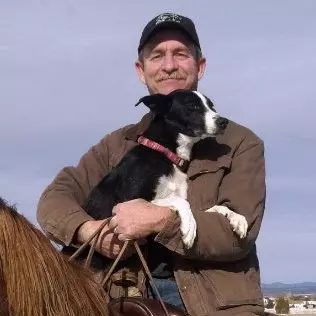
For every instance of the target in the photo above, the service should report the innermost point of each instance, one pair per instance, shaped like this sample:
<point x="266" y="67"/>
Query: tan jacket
<point x="220" y="273"/>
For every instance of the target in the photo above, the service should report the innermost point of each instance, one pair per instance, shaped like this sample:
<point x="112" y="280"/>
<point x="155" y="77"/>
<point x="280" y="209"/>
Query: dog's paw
<point x="187" y="227"/>
<point x="188" y="223"/>
<point x="218" y="209"/>
<point x="239" y="224"/>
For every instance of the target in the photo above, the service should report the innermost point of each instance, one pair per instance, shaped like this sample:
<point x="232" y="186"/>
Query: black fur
<point x="138" y="173"/>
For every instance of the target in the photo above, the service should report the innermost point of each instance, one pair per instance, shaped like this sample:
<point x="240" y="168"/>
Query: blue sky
<point x="67" y="79"/>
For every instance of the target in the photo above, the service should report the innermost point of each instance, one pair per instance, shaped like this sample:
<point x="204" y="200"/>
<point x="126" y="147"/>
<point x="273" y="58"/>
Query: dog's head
<point x="189" y="112"/>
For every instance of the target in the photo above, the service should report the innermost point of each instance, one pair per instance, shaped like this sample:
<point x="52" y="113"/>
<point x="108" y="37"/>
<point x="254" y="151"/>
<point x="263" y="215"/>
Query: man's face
<point x="169" y="63"/>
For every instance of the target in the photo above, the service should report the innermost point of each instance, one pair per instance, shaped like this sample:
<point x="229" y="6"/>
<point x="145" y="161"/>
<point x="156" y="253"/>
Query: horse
<point x="36" y="279"/>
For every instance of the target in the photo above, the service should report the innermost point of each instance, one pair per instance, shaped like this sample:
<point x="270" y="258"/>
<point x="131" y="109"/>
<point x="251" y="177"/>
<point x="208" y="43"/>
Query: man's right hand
<point x="108" y="243"/>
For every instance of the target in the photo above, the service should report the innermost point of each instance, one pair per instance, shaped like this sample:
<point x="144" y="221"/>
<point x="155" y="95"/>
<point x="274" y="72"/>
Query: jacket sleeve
<point x="243" y="191"/>
<point x="59" y="211"/>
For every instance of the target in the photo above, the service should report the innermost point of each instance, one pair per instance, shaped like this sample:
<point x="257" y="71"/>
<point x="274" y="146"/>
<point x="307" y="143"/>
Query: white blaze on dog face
<point x="210" y="115"/>
<point x="192" y="114"/>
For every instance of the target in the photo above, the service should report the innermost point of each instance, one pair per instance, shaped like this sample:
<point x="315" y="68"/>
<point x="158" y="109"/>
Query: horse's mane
<point x="37" y="280"/>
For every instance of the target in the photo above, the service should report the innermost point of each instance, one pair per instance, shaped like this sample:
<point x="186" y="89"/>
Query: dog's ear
<point x="158" y="103"/>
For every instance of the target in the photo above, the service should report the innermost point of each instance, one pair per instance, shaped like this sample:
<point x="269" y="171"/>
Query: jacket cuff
<point x="170" y="235"/>
<point x="67" y="227"/>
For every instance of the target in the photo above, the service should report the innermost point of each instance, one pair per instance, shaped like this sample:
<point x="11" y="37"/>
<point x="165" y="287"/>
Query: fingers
<point x="113" y="222"/>
<point x="132" y="220"/>
<point x="113" y="225"/>
<point x="123" y="237"/>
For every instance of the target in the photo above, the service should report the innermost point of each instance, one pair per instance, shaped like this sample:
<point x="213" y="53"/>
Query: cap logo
<point x="168" y="17"/>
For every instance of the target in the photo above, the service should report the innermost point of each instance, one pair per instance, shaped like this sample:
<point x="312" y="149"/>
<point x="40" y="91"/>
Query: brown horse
<point x="37" y="280"/>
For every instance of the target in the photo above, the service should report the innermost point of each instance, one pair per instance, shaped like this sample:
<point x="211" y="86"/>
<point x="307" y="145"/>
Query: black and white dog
<point x="155" y="170"/>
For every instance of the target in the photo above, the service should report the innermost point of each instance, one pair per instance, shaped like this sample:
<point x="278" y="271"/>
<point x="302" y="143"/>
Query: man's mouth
<point x="171" y="79"/>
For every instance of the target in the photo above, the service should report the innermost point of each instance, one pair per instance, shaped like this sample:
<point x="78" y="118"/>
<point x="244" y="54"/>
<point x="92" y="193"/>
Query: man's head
<point x="169" y="54"/>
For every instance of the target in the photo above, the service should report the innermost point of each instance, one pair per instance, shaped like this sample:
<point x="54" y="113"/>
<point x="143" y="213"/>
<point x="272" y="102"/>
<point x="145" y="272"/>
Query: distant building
<point x="268" y="302"/>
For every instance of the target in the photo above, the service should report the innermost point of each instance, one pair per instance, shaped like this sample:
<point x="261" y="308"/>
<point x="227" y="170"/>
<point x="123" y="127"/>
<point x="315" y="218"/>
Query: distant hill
<point x="285" y="288"/>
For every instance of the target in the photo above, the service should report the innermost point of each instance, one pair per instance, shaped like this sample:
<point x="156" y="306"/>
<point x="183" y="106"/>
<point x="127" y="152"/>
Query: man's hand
<point x="138" y="219"/>
<point x="108" y="243"/>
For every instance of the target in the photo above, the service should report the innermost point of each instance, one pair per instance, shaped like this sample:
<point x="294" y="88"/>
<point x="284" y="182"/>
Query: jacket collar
<point x="133" y="132"/>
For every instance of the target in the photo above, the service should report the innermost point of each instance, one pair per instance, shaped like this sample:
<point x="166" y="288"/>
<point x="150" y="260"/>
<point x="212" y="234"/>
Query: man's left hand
<point x="138" y="219"/>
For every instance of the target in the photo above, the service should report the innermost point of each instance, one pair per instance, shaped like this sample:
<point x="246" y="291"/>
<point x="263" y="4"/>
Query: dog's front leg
<point x="188" y="223"/>
<point x="237" y="222"/>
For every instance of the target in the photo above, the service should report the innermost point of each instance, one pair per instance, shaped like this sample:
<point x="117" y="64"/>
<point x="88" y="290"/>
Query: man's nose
<point x="169" y="64"/>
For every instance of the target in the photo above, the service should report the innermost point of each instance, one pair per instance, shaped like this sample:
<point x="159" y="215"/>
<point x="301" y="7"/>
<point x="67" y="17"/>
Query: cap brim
<point x="166" y="25"/>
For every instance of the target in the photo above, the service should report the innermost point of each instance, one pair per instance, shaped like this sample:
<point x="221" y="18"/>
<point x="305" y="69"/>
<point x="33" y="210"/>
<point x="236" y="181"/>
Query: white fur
<point x="188" y="223"/>
<point x="185" y="144"/>
<point x="171" y="191"/>
<point x="238" y="222"/>
<point x="174" y="185"/>
<point x="210" y="115"/>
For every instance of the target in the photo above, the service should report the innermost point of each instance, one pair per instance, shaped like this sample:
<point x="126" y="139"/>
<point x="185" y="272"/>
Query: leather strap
<point x="96" y="236"/>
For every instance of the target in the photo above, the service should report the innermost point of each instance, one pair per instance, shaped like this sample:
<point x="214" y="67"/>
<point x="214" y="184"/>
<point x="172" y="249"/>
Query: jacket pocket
<point x="232" y="288"/>
<point x="200" y="167"/>
<point x="205" y="178"/>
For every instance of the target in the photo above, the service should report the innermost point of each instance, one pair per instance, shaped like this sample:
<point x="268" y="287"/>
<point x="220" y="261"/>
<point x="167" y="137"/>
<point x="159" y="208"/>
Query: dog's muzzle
<point x="221" y="123"/>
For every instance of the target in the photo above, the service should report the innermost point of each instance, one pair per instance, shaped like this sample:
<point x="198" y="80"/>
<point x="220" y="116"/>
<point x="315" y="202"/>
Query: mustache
<point x="174" y="75"/>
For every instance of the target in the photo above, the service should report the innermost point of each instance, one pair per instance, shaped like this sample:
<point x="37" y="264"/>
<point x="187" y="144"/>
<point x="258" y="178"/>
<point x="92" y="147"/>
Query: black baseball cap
<point x="169" y="21"/>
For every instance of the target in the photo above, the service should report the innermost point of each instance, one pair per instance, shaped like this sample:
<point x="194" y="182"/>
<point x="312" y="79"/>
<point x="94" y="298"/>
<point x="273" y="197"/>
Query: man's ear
<point x="139" y="67"/>
<point x="158" y="103"/>
<point x="201" y="65"/>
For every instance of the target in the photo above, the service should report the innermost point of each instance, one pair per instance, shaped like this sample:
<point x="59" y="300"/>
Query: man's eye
<point x="153" y="57"/>
<point x="182" y="55"/>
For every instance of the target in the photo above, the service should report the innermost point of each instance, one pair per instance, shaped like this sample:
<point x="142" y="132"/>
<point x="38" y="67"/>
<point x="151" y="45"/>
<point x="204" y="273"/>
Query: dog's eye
<point x="193" y="107"/>
<point x="212" y="108"/>
<point x="211" y="105"/>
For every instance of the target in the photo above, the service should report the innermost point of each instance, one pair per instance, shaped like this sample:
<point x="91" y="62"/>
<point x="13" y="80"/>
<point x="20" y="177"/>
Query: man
<point x="219" y="275"/>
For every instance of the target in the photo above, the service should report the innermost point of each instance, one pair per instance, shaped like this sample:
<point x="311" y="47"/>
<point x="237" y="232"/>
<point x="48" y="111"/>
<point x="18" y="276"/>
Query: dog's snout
<point x="221" y="122"/>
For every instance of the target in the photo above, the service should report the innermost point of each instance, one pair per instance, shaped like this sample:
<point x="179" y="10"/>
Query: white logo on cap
<point x="168" y="17"/>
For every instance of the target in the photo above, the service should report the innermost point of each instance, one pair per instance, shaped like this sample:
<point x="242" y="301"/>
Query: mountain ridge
<point x="286" y="288"/>
<point x="295" y="284"/>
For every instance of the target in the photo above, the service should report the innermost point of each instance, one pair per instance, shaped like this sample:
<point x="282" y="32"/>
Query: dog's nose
<point x="221" y="122"/>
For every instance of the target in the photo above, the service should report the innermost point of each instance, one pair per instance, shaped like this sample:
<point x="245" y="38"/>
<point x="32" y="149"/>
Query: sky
<point x="67" y="78"/>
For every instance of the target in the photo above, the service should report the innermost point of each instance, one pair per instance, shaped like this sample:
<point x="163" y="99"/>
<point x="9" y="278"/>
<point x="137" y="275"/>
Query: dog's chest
<point x="172" y="185"/>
